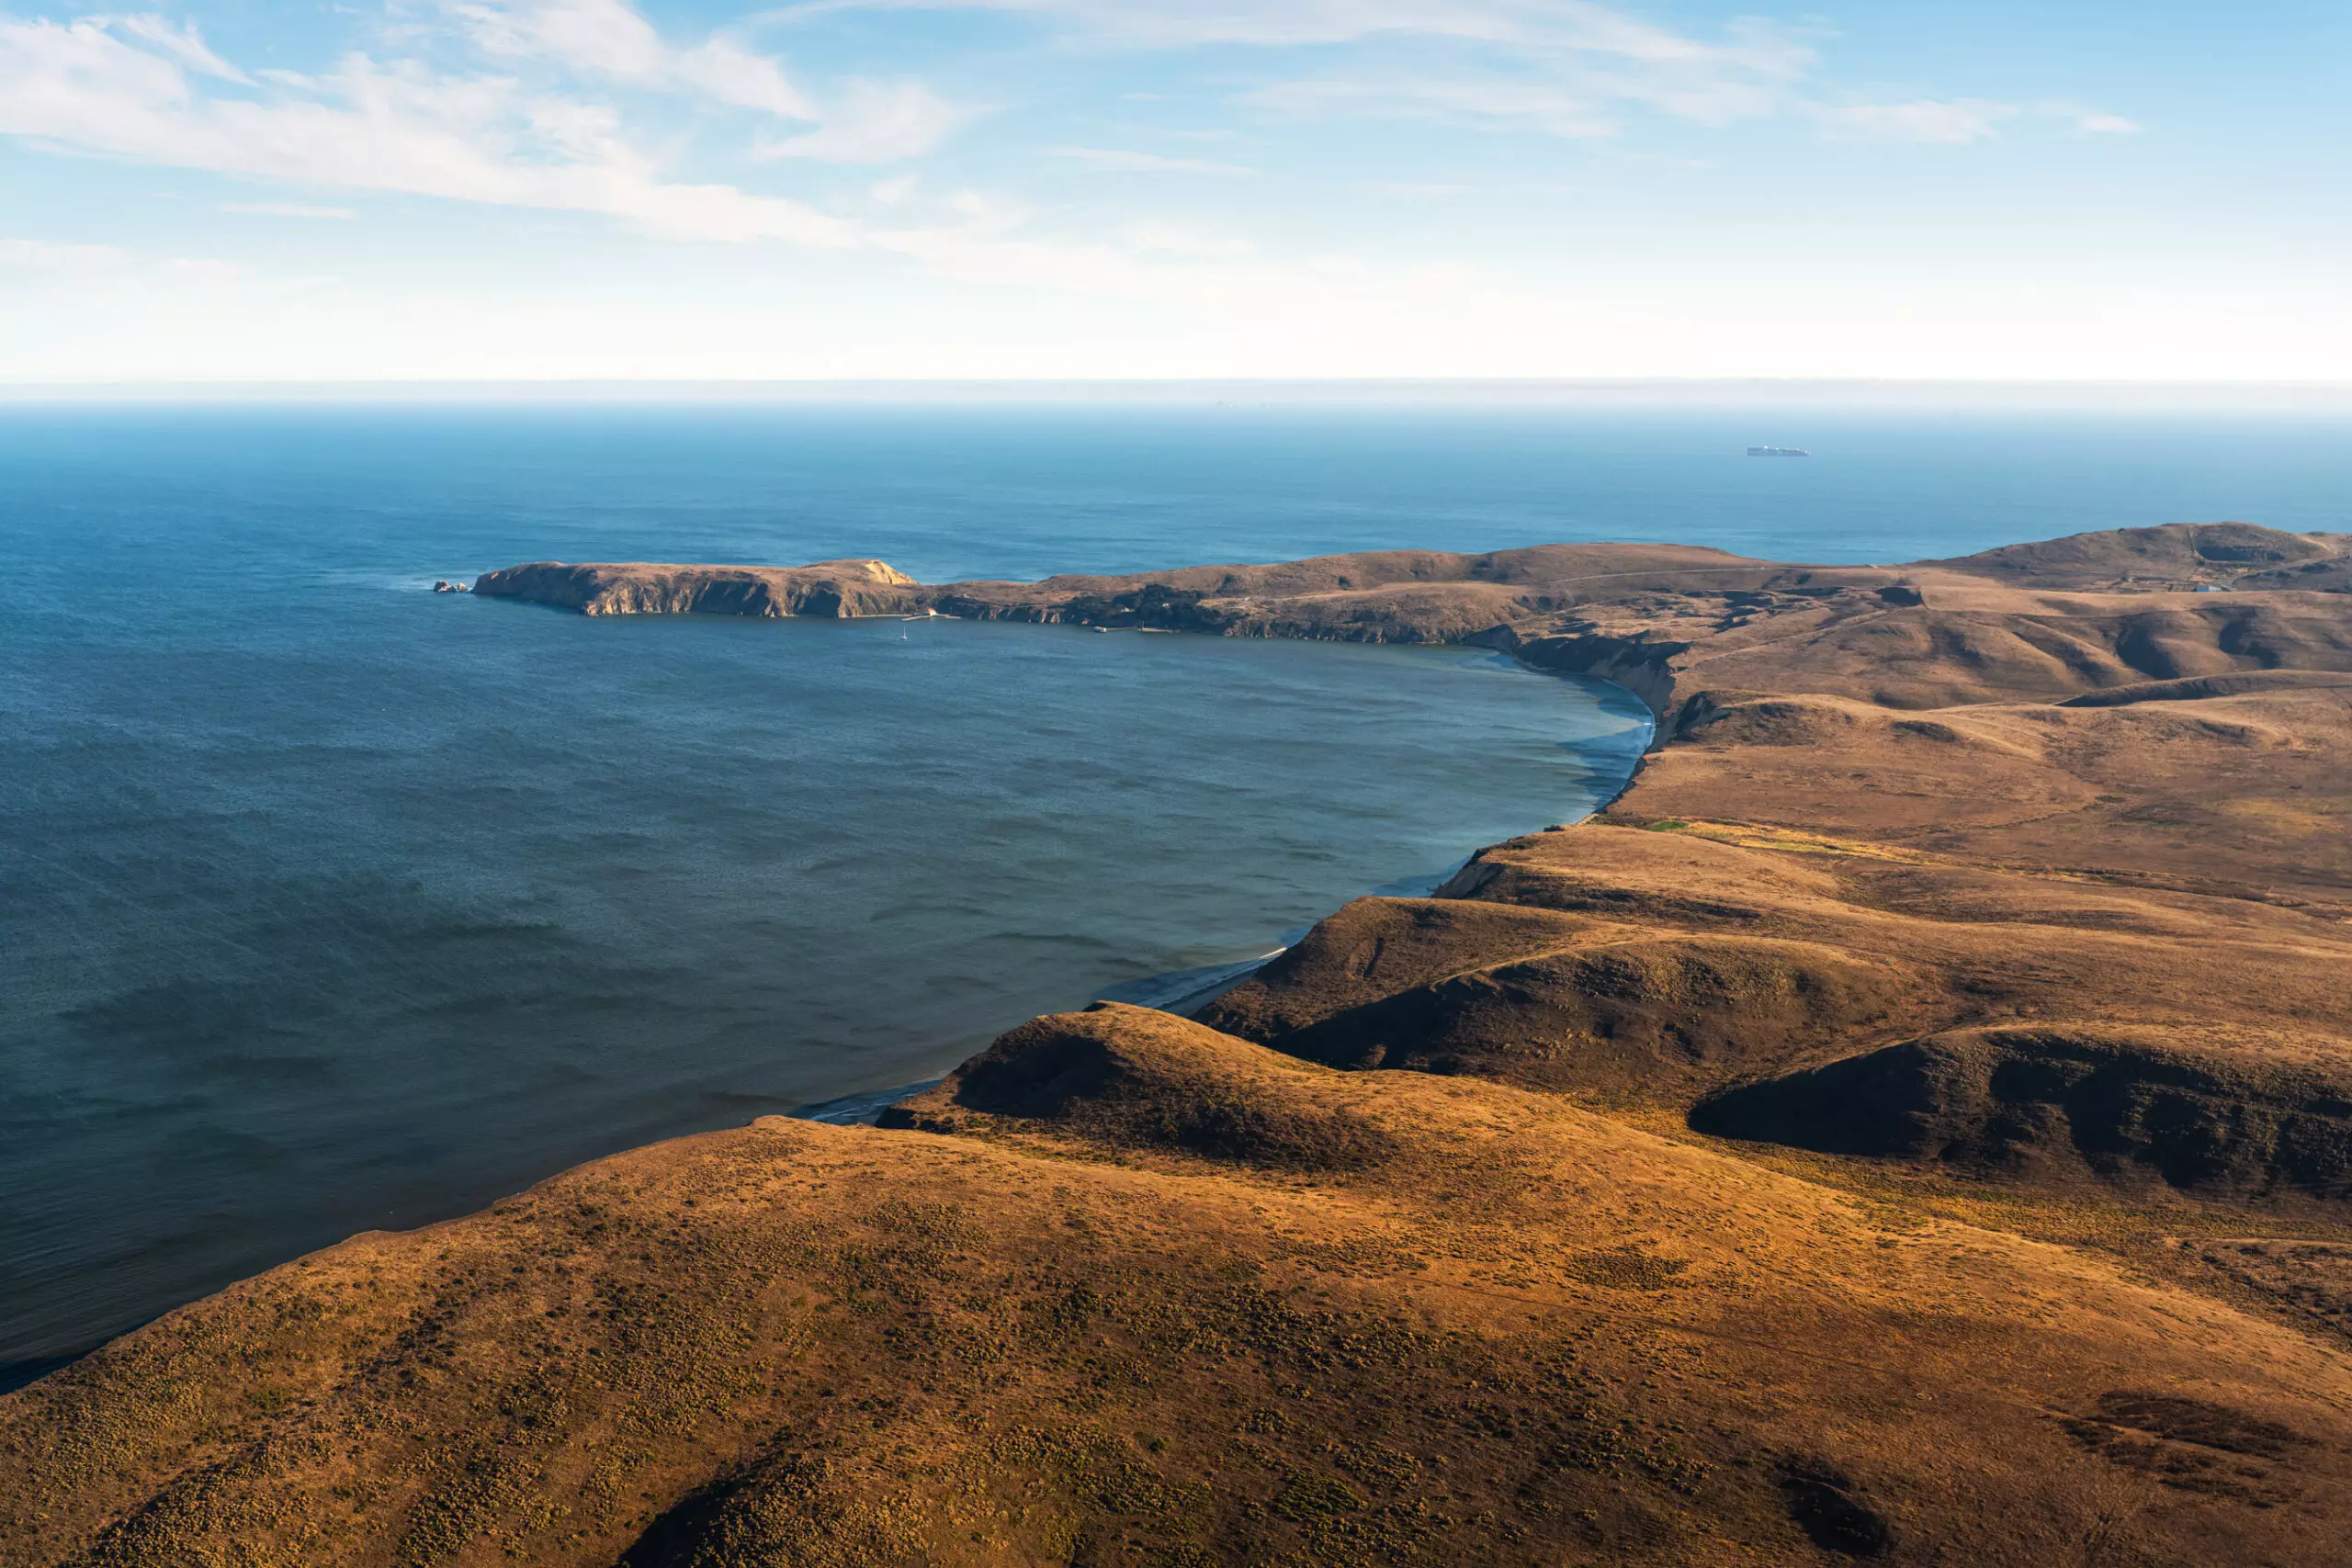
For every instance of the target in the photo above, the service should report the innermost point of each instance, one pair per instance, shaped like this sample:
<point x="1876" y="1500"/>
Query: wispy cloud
<point x="79" y="261"/>
<point x="1949" y="121"/>
<point x="1572" y="56"/>
<point x="47" y="255"/>
<point x="981" y="214"/>
<point x="876" y="122"/>
<point x="1570" y="59"/>
<point x="1956" y="121"/>
<point x="1527" y="105"/>
<point x="2098" y="123"/>
<point x="862" y="122"/>
<point x="1564" y="24"/>
<point x="610" y="38"/>
<point x="1556" y="67"/>
<point x="1568" y="68"/>
<point x="181" y="42"/>
<point x="537" y="120"/>
<point x="1120" y="161"/>
<point x="1161" y="238"/>
<point x="285" y="210"/>
<point x="370" y="127"/>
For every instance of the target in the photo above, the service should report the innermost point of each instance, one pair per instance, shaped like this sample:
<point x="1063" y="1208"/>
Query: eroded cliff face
<point x="1910" y="1126"/>
<point x="827" y="589"/>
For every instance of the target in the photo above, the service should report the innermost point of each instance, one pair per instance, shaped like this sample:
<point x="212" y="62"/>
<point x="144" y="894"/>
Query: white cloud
<point x="285" y="210"/>
<point x="1948" y="121"/>
<point x="1579" y="53"/>
<point x="206" y="270"/>
<point x="874" y="122"/>
<point x="1576" y="53"/>
<point x="525" y="133"/>
<point x="610" y="38"/>
<point x="724" y="70"/>
<point x="1281" y="22"/>
<point x="46" y="256"/>
<point x="1211" y="282"/>
<point x="83" y="262"/>
<point x="1561" y="23"/>
<point x="1183" y="239"/>
<point x="2098" y="124"/>
<point x="1573" y="54"/>
<point x="985" y="214"/>
<point x="1118" y="160"/>
<point x="1956" y="121"/>
<point x="1532" y="105"/>
<point x="371" y="127"/>
<point x="1572" y="61"/>
<point x="182" y="43"/>
<point x="602" y="36"/>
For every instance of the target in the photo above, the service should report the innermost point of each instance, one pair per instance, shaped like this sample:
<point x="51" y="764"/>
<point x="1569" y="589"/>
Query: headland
<point x="1912" y="1124"/>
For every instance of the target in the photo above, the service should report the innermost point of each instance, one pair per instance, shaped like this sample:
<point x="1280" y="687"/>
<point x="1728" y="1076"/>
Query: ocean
<point x="328" y="903"/>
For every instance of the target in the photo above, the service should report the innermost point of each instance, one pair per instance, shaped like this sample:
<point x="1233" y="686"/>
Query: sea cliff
<point x="833" y="588"/>
<point x="1914" y="1124"/>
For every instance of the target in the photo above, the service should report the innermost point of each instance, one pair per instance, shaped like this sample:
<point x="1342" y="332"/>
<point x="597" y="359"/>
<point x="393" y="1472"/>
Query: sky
<point x="245" y="190"/>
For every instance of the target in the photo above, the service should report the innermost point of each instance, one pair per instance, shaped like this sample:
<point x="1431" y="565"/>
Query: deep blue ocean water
<point x="326" y="903"/>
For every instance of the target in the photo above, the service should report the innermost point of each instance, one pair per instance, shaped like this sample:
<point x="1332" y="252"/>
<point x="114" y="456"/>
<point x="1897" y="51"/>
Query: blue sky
<point x="551" y="189"/>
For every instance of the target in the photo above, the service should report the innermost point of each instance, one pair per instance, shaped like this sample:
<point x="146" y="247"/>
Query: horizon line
<point x="1697" y="391"/>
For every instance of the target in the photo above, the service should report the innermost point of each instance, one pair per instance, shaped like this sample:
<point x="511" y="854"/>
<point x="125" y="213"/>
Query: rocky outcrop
<point x="1643" y="665"/>
<point x="827" y="588"/>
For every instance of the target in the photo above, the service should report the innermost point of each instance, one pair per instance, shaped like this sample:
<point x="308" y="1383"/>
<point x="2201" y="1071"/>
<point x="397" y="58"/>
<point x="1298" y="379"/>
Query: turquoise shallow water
<point x="326" y="903"/>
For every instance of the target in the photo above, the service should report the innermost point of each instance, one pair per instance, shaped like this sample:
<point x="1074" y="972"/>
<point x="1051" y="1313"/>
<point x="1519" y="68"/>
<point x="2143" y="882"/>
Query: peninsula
<point x="1912" y="1125"/>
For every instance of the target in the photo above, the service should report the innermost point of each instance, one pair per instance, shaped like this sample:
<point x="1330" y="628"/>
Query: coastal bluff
<point x="832" y="588"/>
<point x="1912" y="1125"/>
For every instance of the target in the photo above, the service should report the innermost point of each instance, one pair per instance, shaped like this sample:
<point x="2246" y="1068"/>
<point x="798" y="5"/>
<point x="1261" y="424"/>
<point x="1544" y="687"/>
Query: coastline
<point x="1908" y="1122"/>
<point x="1184" y="992"/>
